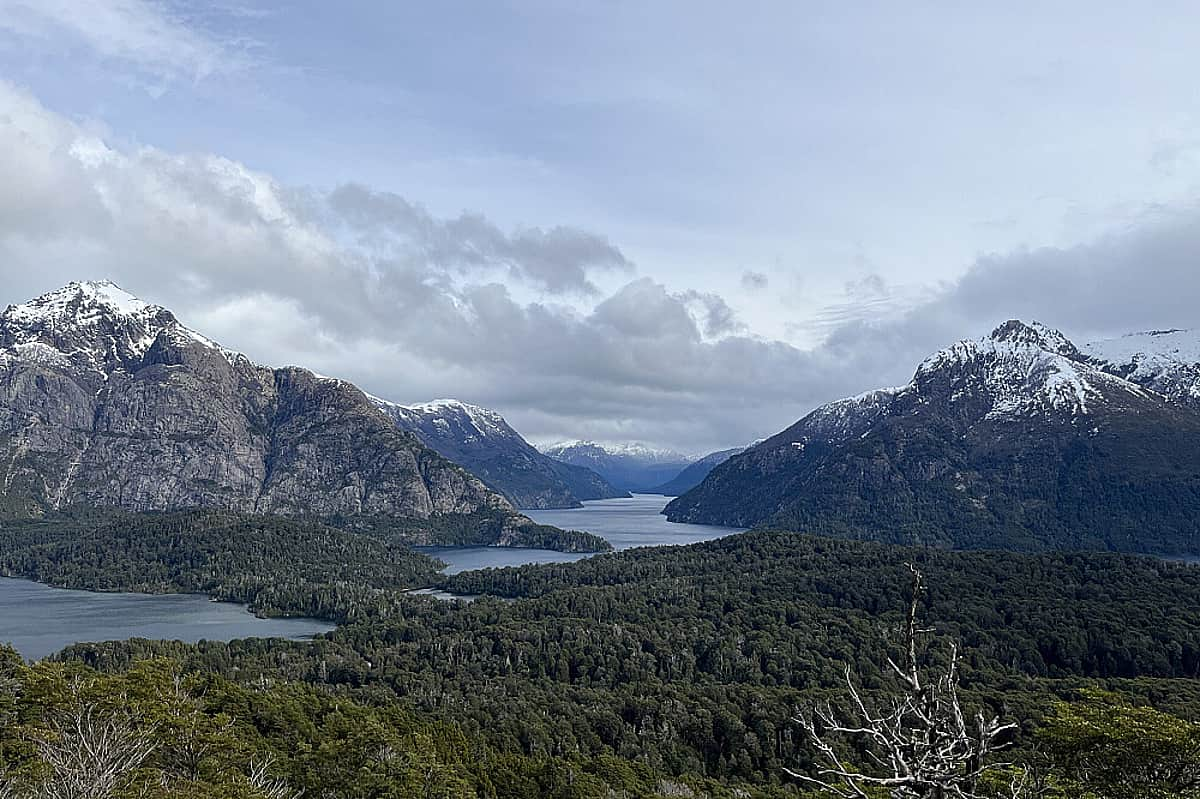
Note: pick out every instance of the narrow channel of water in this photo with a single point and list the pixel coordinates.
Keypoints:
(624, 523)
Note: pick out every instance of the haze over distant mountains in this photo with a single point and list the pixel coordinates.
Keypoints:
(1017, 440)
(630, 467)
(483, 442)
(694, 473)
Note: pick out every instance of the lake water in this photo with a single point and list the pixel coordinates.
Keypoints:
(39, 620)
(624, 523)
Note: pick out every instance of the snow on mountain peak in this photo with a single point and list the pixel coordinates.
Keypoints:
(109, 293)
(96, 322)
(633, 450)
(1035, 334)
(440, 412)
(485, 420)
(1165, 361)
(79, 302)
(1165, 346)
(1019, 368)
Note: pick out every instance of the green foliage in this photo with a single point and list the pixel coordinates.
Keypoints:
(277, 566)
(669, 665)
(1104, 746)
(690, 661)
(207, 735)
(482, 528)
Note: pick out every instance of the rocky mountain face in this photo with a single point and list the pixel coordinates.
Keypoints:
(1019, 440)
(633, 467)
(694, 474)
(481, 441)
(109, 401)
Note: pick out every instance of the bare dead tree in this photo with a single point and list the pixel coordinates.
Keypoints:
(89, 753)
(918, 742)
(270, 787)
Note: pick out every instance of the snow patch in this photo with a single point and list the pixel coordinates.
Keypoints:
(98, 324)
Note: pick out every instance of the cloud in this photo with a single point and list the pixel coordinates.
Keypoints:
(557, 260)
(370, 286)
(148, 36)
(1139, 278)
(754, 281)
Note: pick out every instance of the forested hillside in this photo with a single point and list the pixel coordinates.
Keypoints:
(692, 661)
(1013, 441)
(276, 566)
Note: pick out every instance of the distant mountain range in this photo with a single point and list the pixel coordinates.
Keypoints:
(629, 467)
(694, 473)
(109, 401)
(1017, 440)
(485, 444)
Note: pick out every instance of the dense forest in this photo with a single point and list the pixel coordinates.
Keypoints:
(482, 528)
(692, 662)
(277, 566)
(154, 732)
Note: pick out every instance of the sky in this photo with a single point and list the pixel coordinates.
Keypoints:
(679, 223)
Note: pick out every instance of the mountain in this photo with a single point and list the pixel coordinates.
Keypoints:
(1018, 440)
(485, 444)
(109, 401)
(1165, 361)
(630, 467)
(695, 472)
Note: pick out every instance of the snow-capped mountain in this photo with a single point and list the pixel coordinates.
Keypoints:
(630, 467)
(93, 326)
(1018, 439)
(106, 400)
(1166, 361)
(481, 440)
(695, 472)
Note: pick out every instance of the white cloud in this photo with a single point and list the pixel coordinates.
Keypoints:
(147, 35)
(372, 287)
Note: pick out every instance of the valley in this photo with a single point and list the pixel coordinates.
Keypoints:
(550, 400)
(611, 638)
(623, 523)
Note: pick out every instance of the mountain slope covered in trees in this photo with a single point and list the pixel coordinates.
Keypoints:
(695, 472)
(1018, 440)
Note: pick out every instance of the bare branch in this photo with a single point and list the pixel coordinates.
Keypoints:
(921, 745)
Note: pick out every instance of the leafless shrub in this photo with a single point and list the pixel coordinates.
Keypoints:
(918, 742)
(270, 787)
(89, 753)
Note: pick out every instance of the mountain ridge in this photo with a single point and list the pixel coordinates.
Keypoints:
(109, 401)
(631, 467)
(1017, 440)
(695, 472)
(482, 441)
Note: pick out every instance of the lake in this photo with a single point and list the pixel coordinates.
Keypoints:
(39, 620)
(624, 523)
